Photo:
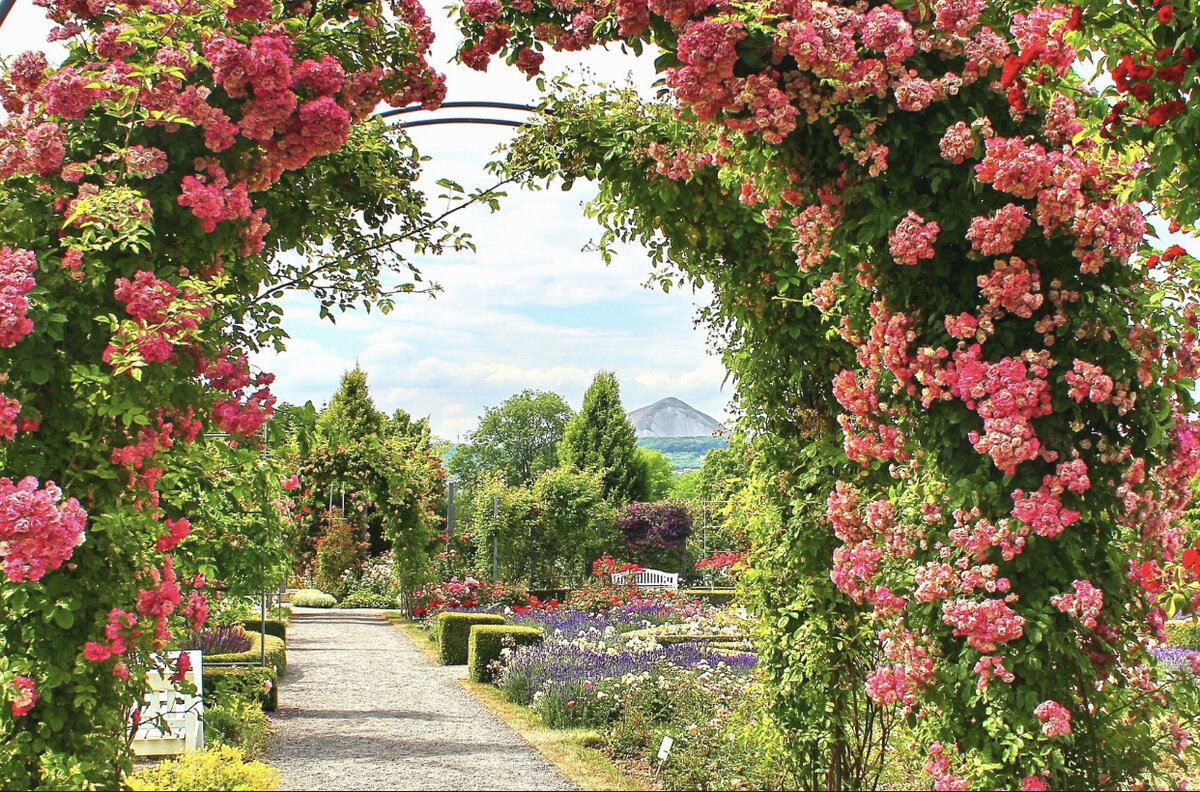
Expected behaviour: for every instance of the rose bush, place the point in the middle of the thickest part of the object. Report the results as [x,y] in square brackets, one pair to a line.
[156,186]
[912,232]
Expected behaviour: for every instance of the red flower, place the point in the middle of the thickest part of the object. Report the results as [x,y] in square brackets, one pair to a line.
[1191,559]
[1166,14]
[181,668]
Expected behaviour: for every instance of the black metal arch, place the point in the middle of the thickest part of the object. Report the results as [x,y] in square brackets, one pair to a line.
[453,105]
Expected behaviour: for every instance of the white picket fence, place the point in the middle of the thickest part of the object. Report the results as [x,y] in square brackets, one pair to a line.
[648,578]
[172,721]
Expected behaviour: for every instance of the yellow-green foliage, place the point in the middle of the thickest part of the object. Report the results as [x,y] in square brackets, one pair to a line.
[454,629]
[1185,634]
[487,641]
[312,598]
[219,768]
[239,722]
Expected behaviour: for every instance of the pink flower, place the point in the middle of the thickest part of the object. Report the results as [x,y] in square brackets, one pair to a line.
[997,234]
[37,532]
[1055,718]
[1084,604]
[1033,784]
[292,483]
[16,280]
[23,694]
[912,239]
[176,531]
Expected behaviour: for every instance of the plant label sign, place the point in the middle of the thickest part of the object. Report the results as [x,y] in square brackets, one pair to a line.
[664,750]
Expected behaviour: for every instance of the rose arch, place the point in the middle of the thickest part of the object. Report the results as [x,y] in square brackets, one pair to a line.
[968,373]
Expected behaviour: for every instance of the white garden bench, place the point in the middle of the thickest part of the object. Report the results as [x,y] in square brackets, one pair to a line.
[648,578]
[171,721]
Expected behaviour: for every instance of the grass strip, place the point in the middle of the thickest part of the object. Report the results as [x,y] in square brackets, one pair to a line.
[567,749]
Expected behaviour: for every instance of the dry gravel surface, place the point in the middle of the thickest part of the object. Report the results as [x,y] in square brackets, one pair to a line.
[361,708]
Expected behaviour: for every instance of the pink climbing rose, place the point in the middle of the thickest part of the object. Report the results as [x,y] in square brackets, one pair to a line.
[37,532]
[1055,718]
[23,694]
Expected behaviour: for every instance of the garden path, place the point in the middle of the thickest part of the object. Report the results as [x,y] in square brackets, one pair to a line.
[361,708]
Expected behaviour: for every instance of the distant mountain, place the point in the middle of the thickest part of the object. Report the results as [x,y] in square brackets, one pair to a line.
[671,417]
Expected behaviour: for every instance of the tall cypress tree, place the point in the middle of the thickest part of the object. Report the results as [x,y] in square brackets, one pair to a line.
[601,438]
[351,412]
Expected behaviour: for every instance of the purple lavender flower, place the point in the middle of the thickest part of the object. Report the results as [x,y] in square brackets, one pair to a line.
[230,639]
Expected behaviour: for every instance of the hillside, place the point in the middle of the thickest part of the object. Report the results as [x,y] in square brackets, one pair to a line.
[671,417]
[685,453]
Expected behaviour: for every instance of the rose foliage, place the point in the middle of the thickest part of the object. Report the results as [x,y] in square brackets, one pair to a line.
[155,190]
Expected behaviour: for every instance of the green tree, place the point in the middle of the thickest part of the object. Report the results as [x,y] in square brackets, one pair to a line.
[518,439]
[351,412]
[600,437]
[578,524]
[659,475]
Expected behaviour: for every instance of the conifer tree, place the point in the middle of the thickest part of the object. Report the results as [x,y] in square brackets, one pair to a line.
[601,438]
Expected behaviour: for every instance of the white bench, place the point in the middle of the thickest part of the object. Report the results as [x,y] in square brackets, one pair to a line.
[648,578]
[171,721]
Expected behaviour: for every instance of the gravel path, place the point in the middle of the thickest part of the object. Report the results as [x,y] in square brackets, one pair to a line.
[361,708]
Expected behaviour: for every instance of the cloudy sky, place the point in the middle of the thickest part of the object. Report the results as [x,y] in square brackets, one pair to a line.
[528,309]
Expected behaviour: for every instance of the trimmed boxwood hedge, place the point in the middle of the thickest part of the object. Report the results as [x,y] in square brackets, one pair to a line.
[454,631]
[312,598]
[247,681]
[276,627]
[1184,634]
[276,652]
[486,642]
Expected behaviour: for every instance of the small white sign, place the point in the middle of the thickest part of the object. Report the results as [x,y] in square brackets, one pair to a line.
[664,750]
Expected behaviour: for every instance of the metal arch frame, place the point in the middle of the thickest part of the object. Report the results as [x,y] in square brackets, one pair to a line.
[453,105]
[5,7]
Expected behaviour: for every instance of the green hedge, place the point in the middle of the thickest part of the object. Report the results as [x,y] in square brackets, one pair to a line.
[312,598]
[249,682]
[276,652]
[487,641]
[1185,634]
[365,599]
[454,631]
[276,627]
[711,596]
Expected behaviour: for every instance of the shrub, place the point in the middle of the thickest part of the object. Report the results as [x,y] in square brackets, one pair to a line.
[276,627]
[228,683]
[1184,634]
[487,641]
[313,598]
[238,721]
[222,767]
[276,653]
[338,549]
[226,610]
[365,599]
[229,639]
[654,533]
[281,613]
[454,632]
[711,596]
